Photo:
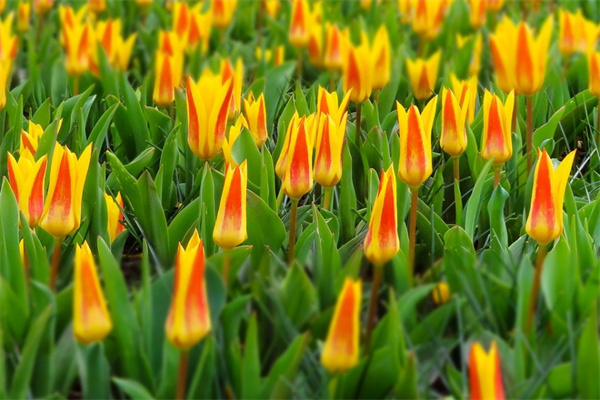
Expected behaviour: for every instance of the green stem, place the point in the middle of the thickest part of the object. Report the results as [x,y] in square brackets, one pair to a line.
[279,199]
[529,101]
[377,273]
[412,232]
[292,242]
[357,123]
[226,266]
[497,175]
[182,374]
[327,192]
[55,263]
[535,289]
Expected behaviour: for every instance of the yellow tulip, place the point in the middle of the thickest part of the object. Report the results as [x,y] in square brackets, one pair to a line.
[97,6]
[441,293]
[531,57]
[329,145]
[594,73]
[230,226]
[545,220]
[223,11]
[466,91]
[335,45]
[236,75]
[8,41]
[381,58]
[453,139]
[477,13]
[576,33]
[42,7]
[423,75]
[504,57]
[495,5]
[497,118]
[427,18]
[116,47]
[5,68]
[272,7]
[485,373]
[23,13]
[315,45]
[357,74]
[256,115]
[327,103]
[77,48]
[114,207]
[298,175]
[30,139]
[299,25]
[27,179]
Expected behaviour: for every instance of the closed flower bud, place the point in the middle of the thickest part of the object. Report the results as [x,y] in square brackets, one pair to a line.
[335,45]
[503,56]
[167,77]
[299,25]
[236,75]
[272,7]
[485,373]
[441,293]
[91,320]
[281,165]
[497,118]
[545,221]
[329,145]
[42,7]
[23,13]
[594,72]
[188,321]
[315,45]
[341,349]
[381,58]
[357,74]
[230,226]
[423,75]
[223,11]
[27,179]
[415,142]
[466,93]
[298,176]
[78,48]
[477,13]
[256,115]
[381,242]
[114,207]
[531,57]
[29,140]
[453,139]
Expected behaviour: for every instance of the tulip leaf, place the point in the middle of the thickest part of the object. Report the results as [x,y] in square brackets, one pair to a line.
[133,389]
[588,359]
[475,202]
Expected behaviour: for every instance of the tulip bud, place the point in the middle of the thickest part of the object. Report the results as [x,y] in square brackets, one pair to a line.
[405,9]
[223,12]
[27,178]
[340,352]
[381,242]
[97,6]
[23,13]
[199,30]
[62,208]
[181,19]
[298,177]
[485,373]
[415,142]
[428,18]
[466,92]
[167,77]
[531,56]
[504,57]
[423,75]
[281,165]
[188,321]
[114,207]
[299,25]
[497,118]
[207,108]
[327,103]
[477,13]
[453,139]
[236,76]
[256,115]
[335,45]
[230,226]
[381,58]
[272,7]
[91,320]
[5,67]
[594,72]
[315,45]
[329,145]
[29,140]
[41,7]
[545,221]
[441,293]
[77,49]
[357,72]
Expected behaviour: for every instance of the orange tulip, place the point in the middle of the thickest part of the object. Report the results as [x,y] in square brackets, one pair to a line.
[381,242]
[27,179]
[62,208]
[181,18]
[256,115]
[423,75]
[327,103]
[341,349]
[357,72]
[198,33]
[453,139]
[299,25]
[91,320]
[335,45]
[497,118]
[381,58]
[594,72]
[207,108]
[114,207]
[485,373]
[415,142]
[329,145]
[223,12]
[576,33]
[545,221]
[531,56]
[188,321]
[230,226]
[298,176]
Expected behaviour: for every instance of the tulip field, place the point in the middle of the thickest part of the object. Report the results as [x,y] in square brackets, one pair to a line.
[299,199]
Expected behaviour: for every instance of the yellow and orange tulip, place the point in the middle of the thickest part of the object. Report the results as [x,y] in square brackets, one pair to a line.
[62,208]
[495,5]
[230,226]
[315,45]
[8,41]
[477,13]
[545,220]
[427,18]
[594,73]
[466,92]
[114,208]
[27,179]
[42,7]
[423,75]
[5,68]
[207,109]
[300,24]
[167,77]
[272,7]
[298,175]
[485,373]
[23,13]
[116,47]
[531,57]
[236,75]
[77,48]
[256,115]
[415,142]
[91,319]
[327,103]
[97,6]
[234,132]
[497,118]
[357,72]
[380,50]
[504,57]
[576,33]
[335,45]
[381,242]
[341,348]
[188,321]
[30,139]
[222,11]
[453,139]
[329,145]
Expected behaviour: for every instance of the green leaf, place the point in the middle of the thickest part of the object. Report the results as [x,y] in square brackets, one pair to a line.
[251,363]
[475,202]
[133,389]
[588,359]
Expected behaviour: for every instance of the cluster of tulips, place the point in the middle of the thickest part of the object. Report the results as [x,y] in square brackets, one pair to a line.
[213,101]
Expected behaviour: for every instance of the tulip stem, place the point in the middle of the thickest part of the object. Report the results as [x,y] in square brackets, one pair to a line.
[327,192]
[226,266]
[377,272]
[299,64]
[357,123]
[75,85]
[456,162]
[181,378]
[529,101]
[293,217]
[55,263]
[539,263]
[457,196]
[497,174]
[598,126]
[514,119]
[412,232]
[26,266]
[279,199]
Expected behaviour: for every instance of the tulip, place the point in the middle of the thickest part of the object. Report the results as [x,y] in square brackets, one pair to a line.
[576,33]
[97,6]
[381,58]
[167,77]
[315,45]
[467,94]
[234,132]
[272,7]
[475,64]
[381,242]
[223,12]
[236,75]
[277,56]
[298,177]
[329,145]
[428,18]
[27,179]
[453,139]
[8,41]
[327,103]
[531,56]
[144,3]
[256,115]
[335,45]
[23,13]
[441,293]
[357,72]
[545,220]
[29,140]
[477,13]
[299,25]
[594,72]
[504,57]
[5,67]
[181,18]
[281,164]
[423,75]
[495,5]
[188,320]
[116,47]
[415,143]
[91,320]
[496,142]
[230,226]
[77,48]
[114,208]
[485,373]
[341,348]
[62,208]
[199,30]
[207,108]
[42,7]
[69,19]
[405,9]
